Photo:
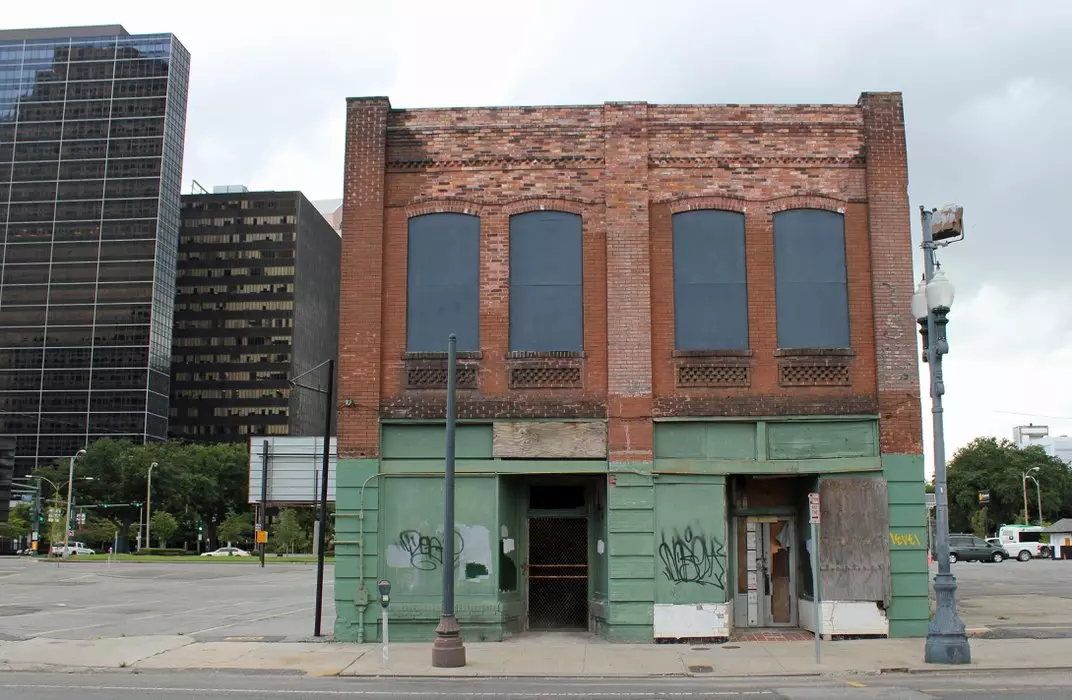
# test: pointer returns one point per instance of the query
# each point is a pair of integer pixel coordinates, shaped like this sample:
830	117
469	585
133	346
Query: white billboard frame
295	467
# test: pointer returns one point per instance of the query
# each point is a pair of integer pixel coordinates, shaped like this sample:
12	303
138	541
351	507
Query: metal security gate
557	573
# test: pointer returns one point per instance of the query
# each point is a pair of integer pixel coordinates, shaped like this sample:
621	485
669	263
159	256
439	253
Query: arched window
710	281
811	287
546	300
443	285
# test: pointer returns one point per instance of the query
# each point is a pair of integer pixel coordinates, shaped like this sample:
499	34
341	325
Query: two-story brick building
674	322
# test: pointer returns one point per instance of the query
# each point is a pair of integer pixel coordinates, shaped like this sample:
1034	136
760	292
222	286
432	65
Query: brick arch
529	204
444	206
810	201
734	204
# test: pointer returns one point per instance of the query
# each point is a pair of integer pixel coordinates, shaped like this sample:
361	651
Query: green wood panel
906	492
353	473
630	497
632	521
713	440
817	440
906	561
630	544
909	608
496	466
428	441
631	590
413	534
633	474
901	629
631	567
692	558
908	538
903	467
911	585
631	614
839	466
908	516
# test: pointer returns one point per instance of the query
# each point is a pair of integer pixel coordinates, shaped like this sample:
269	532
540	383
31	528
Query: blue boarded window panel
443	286
546	299
710	281
811	281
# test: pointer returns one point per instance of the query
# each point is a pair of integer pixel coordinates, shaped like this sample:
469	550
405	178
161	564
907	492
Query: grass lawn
156	559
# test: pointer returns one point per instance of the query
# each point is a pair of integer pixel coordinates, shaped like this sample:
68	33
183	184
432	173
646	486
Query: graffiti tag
426	551
691	557
905	539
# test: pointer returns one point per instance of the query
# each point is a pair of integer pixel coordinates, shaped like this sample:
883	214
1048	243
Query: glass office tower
92	122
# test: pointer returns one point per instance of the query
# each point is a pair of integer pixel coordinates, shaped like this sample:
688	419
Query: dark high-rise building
257	304
92	121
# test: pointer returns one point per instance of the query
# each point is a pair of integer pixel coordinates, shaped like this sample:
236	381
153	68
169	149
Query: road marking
854	684
243	622
400	693
140	618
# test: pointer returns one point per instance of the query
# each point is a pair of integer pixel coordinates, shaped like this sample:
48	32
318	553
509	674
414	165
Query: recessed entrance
564	536
558	573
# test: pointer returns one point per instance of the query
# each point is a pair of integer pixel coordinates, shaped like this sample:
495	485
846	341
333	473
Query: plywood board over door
854	547
549	440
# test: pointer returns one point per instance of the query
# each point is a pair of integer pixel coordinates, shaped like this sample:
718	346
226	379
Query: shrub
161	552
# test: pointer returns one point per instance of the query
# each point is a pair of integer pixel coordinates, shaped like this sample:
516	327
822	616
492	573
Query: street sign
262	536
813	508
26	497
984	498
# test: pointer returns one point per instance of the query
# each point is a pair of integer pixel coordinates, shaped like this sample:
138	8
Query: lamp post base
947	638
448	649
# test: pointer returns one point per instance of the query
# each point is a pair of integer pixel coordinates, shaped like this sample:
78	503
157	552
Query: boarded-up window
546	302
710	281
443	282
854	546
812	291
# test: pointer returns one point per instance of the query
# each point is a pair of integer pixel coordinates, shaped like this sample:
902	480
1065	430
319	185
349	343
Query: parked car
963	547
73	548
227	552
1023	543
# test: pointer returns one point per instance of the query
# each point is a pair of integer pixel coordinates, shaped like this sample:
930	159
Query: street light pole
448	650
70	491
149	504
1023	478
947	639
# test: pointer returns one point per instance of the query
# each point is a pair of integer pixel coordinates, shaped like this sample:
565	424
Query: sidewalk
544	657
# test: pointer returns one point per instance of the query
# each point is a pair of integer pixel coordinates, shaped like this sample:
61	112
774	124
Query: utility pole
264	499
70	493
149	504
448	650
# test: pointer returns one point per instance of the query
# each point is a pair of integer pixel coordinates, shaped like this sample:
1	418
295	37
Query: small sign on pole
813	518
262	536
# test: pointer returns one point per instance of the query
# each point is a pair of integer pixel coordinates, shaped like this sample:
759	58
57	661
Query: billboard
294	465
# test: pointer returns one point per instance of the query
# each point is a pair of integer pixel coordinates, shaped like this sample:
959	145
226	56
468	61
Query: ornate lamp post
947	639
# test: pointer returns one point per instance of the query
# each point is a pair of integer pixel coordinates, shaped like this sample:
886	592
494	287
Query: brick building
674	322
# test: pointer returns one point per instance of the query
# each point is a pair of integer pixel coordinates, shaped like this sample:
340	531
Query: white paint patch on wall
477	552
691	620
842	617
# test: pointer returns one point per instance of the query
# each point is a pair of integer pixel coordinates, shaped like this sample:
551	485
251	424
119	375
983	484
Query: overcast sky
988	103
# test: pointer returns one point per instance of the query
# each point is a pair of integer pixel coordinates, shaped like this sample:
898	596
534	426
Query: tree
289	535
18	522
208	481
987	464
237	528
164	526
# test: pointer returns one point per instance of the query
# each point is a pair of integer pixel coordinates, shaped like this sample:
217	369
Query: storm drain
701	668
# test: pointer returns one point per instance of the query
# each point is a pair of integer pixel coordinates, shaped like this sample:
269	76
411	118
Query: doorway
766	563
556	570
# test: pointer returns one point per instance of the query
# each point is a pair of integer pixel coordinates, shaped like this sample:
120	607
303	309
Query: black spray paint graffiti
426	552
693	558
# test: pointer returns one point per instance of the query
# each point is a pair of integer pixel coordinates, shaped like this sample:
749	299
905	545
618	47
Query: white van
1023	542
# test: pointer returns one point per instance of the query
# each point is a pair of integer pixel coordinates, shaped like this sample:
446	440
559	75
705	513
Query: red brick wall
626	168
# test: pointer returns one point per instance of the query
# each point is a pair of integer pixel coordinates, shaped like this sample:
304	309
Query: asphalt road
1010	577
204	601
187	685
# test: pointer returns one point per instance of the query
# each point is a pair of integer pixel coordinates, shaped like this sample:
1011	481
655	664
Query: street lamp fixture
1023	479
70	492
947	638
148	502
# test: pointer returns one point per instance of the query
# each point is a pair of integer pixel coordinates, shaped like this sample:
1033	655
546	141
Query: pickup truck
73	548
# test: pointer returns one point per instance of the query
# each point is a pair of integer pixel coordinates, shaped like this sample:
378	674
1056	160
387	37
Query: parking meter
385	599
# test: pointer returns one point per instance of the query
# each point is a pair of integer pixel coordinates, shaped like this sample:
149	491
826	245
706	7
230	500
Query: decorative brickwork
694	373
813	374
626	168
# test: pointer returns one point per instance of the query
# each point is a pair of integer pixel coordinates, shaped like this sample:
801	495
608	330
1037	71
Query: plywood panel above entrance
549	440
825	440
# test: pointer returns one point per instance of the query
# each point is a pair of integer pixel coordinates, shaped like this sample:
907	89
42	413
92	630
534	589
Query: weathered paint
691	540
827	440
909	611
